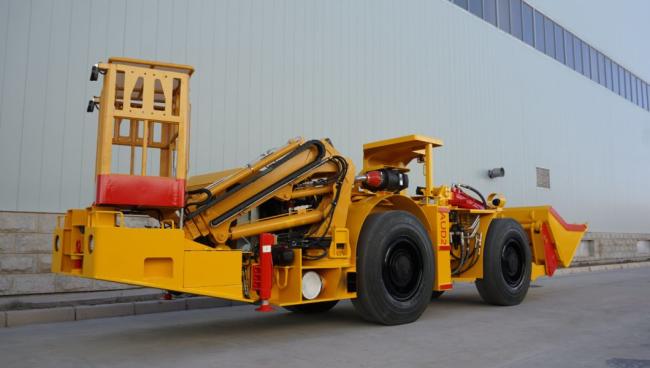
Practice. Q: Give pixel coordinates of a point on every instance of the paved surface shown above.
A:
(598, 319)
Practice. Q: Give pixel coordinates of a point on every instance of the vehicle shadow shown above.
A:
(239, 324)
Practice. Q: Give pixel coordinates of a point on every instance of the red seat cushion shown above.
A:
(143, 191)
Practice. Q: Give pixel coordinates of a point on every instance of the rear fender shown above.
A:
(360, 210)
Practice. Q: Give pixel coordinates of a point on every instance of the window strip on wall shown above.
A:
(529, 25)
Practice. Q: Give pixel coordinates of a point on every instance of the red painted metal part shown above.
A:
(550, 258)
(374, 179)
(145, 191)
(446, 286)
(565, 225)
(444, 247)
(263, 272)
(77, 263)
(461, 200)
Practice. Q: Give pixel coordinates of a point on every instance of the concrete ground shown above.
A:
(597, 319)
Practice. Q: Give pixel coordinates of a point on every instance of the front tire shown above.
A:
(506, 264)
(394, 268)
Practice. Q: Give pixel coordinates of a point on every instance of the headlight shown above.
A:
(312, 285)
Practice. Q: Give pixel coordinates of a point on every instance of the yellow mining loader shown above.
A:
(298, 228)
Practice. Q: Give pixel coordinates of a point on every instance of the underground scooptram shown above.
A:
(298, 228)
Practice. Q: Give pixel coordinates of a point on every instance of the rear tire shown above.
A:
(394, 268)
(506, 264)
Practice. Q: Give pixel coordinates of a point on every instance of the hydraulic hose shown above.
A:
(270, 189)
(475, 191)
(198, 191)
(213, 200)
(343, 169)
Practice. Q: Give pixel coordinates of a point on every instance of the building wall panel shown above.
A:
(352, 71)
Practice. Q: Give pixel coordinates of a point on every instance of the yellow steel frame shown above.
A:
(153, 97)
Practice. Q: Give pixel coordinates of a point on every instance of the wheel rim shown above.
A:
(512, 265)
(402, 269)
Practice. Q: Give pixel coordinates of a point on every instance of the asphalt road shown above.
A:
(598, 319)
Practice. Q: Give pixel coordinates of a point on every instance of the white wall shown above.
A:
(353, 71)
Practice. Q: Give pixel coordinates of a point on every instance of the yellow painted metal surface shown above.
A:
(144, 105)
(160, 258)
(209, 268)
(438, 217)
(396, 152)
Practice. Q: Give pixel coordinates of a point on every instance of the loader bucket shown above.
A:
(554, 241)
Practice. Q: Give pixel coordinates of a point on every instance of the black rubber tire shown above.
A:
(395, 268)
(436, 294)
(312, 308)
(506, 264)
